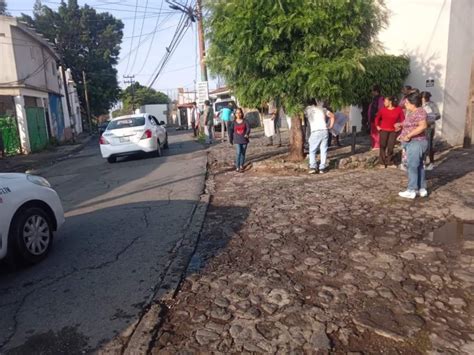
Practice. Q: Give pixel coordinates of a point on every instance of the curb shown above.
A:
(139, 338)
(66, 156)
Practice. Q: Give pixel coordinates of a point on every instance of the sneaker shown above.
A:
(322, 171)
(311, 171)
(423, 192)
(407, 194)
(429, 167)
(402, 167)
(237, 170)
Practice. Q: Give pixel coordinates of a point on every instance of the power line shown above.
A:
(133, 32)
(139, 39)
(151, 43)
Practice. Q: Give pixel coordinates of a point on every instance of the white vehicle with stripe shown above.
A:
(30, 211)
(127, 135)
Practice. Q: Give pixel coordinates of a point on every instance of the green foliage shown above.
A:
(387, 71)
(3, 8)
(86, 41)
(291, 49)
(143, 96)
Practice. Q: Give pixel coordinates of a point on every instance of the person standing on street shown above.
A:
(194, 119)
(208, 121)
(385, 122)
(225, 114)
(318, 139)
(239, 133)
(433, 115)
(414, 141)
(273, 112)
(375, 106)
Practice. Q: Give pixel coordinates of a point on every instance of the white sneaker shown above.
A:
(312, 171)
(402, 167)
(429, 167)
(407, 194)
(423, 192)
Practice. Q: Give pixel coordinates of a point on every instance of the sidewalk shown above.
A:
(329, 263)
(23, 163)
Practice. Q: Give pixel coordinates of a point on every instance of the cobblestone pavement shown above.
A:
(329, 263)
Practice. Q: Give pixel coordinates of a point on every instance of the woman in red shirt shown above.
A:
(385, 123)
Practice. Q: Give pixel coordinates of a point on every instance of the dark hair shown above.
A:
(376, 88)
(393, 99)
(194, 103)
(414, 99)
(207, 103)
(426, 95)
(241, 111)
(407, 87)
(416, 90)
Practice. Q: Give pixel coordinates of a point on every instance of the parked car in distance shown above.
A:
(218, 106)
(30, 212)
(132, 134)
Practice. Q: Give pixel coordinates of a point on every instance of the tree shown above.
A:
(86, 41)
(292, 50)
(142, 95)
(3, 8)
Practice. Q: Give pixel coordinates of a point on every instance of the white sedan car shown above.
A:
(127, 135)
(30, 211)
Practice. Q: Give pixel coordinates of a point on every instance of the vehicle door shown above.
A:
(161, 132)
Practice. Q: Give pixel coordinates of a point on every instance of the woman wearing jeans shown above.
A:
(239, 132)
(414, 141)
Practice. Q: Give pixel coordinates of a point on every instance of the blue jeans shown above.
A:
(240, 156)
(416, 151)
(318, 140)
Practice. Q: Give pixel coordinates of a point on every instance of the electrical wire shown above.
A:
(133, 33)
(34, 73)
(151, 43)
(139, 40)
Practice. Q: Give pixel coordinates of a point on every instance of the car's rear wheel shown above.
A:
(166, 145)
(112, 160)
(31, 234)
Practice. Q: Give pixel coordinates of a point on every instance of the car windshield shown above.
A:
(126, 123)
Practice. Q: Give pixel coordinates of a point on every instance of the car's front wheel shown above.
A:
(31, 234)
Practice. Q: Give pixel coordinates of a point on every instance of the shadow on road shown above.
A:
(97, 280)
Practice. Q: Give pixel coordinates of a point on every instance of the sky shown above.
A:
(183, 68)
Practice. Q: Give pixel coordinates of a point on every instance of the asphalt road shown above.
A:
(122, 222)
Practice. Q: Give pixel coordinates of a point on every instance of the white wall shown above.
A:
(419, 29)
(461, 52)
(7, 62)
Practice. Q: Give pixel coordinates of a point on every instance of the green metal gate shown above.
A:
(9, 132)
(37, 128)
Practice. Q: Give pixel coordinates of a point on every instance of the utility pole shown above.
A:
(202, 44)
(86, 95)
(131, 81)
(194, 14)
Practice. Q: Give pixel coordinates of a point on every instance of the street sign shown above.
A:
(202, 92)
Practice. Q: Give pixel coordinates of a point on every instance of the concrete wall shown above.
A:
(7, 64)
(419, 29)
(461, 52)
(34, 60)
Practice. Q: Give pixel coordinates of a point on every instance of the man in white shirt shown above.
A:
(316, 115)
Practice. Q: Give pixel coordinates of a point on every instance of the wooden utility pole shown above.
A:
(202, 44)
(469, 112)
(86, 95)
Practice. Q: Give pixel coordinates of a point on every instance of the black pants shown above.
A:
(387, 142)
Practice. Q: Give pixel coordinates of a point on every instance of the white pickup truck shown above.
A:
(30, 211)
